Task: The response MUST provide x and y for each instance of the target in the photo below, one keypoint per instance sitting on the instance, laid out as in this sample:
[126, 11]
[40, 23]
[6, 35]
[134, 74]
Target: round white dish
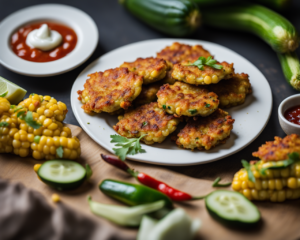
[288, 127]
[250, 118]
[79, 21]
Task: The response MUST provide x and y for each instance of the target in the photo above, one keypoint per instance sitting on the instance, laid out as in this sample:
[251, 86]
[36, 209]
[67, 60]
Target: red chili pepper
[151, 182]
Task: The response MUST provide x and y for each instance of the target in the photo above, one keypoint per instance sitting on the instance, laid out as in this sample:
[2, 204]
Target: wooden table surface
[118, 28]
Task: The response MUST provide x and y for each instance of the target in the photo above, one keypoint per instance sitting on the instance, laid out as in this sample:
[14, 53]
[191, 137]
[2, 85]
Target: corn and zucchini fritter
[232, 92]
[151, 69]
[179, 52]
[205, 133]
[188, 100]
[279, 149]
[110, 90]
[193, 75]
[147, 119]
[148, 94]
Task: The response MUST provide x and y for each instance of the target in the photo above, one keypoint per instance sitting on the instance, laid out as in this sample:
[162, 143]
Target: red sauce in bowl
[21, 49]
[293, 115]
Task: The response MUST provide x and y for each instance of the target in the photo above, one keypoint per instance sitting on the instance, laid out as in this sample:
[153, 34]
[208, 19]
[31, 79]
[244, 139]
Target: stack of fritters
[165, 90]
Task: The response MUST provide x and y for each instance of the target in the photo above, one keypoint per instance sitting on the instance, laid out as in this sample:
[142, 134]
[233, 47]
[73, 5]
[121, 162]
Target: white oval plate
[250, 118]
[79, 21]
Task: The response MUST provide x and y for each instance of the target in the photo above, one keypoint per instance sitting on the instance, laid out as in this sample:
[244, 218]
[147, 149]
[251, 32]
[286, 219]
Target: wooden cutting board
[279, 220]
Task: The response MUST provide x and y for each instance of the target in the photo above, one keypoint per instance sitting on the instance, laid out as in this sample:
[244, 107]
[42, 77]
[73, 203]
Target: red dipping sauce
[293, 114]
[21, 49]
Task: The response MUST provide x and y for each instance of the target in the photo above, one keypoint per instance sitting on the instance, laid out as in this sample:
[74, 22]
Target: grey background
[117, 28]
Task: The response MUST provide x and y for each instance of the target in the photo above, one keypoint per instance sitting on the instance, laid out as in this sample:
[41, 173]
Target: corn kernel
[36, 167]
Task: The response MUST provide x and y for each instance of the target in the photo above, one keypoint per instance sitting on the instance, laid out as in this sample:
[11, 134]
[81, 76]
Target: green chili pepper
[132, 194]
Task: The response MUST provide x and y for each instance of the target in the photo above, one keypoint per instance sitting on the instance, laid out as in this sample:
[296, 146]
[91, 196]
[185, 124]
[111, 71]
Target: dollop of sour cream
[43, 38]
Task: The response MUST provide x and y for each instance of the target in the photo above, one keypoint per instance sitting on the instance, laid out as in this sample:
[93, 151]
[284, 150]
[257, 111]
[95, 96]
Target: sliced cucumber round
[62, 174]
[232, 208]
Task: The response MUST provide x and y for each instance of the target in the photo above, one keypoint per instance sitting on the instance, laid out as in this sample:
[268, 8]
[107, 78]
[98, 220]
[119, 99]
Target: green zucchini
[173, 17]
[232, 208]
[275, 4]
[291, 68]
[274, 29]
[63, 174]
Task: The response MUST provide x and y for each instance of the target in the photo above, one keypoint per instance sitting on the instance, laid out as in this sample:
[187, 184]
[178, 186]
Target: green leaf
[89, 171]
[145, 124]
[4, 94]
[127, 146]
[4, 124]
[29, 120]
[164, 106]
[192, 111]
[247, 167]
[207, 105]
[209, 61]
[60, 151]
[18, 108]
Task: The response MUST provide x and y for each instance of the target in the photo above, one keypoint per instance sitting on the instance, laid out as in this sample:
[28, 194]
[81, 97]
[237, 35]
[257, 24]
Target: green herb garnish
[36, 139]
[164, 106]
[169, 107]
[207, 105]
[32, 94]
[247, 167]
[206, 61]
[18, 108]
[28, 118]
[217, 184]
[293, 157]
[60, 151]
[127, 146]
[4, 94]
[192, 111]
[4, 124]
[89, 171]
[145, 124]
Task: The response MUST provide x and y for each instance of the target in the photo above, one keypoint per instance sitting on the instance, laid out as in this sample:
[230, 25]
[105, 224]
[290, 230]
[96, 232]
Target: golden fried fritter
[232, 92]
[279, 149]
[205, 133]
[193, 75]
[178, 52]
[148, 94]
[147, 119]
[151, 69]
[188, 100]
[110, 90]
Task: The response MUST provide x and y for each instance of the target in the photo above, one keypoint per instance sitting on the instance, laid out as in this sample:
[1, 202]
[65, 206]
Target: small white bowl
[83, 25]
[288, 127]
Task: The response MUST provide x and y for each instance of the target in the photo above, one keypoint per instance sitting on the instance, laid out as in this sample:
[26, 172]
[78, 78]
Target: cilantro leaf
[247, 167]
[4, 124]
[89, 171]
[28, 118]
[193, 111]
[209, 61]
[60, 151]
[207, 105]
[127, 146]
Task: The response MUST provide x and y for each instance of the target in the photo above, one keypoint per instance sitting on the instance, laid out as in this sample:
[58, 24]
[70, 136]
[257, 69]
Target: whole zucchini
[275, 4]
[291, 68]
[173, 17]
[277, 31]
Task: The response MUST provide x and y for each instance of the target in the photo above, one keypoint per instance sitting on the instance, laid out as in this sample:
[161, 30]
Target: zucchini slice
[274, 29]
[62, 174]
[291, 68]
[232, 208]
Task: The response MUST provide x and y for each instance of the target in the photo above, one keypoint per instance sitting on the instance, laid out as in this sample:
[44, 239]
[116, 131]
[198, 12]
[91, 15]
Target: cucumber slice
[232, 208]
[62, 174]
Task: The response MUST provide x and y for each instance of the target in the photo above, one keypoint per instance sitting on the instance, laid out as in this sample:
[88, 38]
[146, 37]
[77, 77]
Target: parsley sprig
[127, 146]
[209, 61]
[247, 167]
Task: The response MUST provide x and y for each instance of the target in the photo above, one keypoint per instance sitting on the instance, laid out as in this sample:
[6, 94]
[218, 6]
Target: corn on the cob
[42, 142]
[275, 185]
[45, 105]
